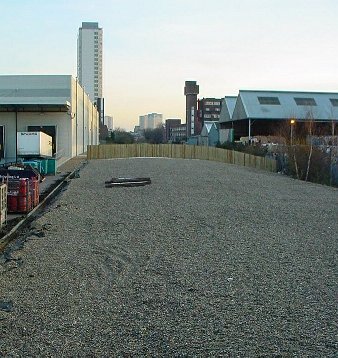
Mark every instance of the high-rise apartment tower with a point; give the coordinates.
(150, 120)
(89, 59)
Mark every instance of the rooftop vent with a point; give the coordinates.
(269, 100)
(334, 102)
(305, 101)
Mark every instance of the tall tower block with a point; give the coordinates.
(89, 59)
(191, 90)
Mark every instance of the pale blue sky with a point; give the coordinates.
(152, 46)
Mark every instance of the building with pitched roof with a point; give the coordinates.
(210, 134)
(261, 112)
(228, 106)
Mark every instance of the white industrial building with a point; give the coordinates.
(89, 59)
(54, 104)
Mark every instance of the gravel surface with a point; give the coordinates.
(72, 164)
(208, 260)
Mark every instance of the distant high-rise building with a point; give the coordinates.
(108, 121)
(191, 91)
(143, 122)
(150, 120)
(154, 120)
(89, 59)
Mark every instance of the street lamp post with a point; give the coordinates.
(292, 123)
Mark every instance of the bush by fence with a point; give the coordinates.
(107, 151)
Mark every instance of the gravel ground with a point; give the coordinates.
(72, 164)
(208, 260)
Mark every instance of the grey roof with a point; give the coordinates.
(253, 104)
(228, 106)
(35, 90)
(90, 25)
(208, 125)
(230, 102)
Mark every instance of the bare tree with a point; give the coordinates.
(310, 126)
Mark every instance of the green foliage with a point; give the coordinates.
(320, 167)
(120, 136)
(253, 149)
(154, 136)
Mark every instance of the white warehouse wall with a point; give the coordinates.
(76, 125)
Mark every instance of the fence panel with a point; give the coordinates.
(106, 151)
(238, 158)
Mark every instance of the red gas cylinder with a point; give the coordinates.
(22, 204)
(23, 186)
(12, 203)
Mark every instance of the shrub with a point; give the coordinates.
(254, 149)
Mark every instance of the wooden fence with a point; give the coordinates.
(108, 151)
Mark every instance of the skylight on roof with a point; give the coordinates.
(305, 101)
(269, 100)
(334, 102)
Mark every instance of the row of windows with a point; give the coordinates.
(211, 116)
(217, 109)
(299, 101)
(211, 103)
(177, 129)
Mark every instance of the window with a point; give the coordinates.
(334, 102)
(269, 100)
(305, 101)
